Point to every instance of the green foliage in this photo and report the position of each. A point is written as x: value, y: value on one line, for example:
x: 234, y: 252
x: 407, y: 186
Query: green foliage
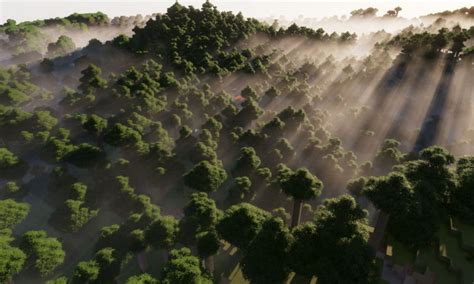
x: 183, y: 268
x: 121, y: 135
x: 196, y: 40
x: 12, y: 259
x: 62, y: 46
x: 46, y: 252
x: 266, y: 260
x: 241, y: 223
x: 335, y: 246
x: 142, y: 279
x: 95, y: 124
x: 59, y: 280
x: 301, y: 184
x: 205, y: 176
x: 247, y: 162
x: 12, y: 213
x: 207, y: 243
x: 413, y: 219
x: 7, y: 159
x: 91, y: 79
x: 86, y: 272
x: 162, y: 232
x: 200, y: 214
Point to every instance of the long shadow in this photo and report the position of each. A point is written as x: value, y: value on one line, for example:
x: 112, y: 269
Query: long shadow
x: 402, y: 119
x: 381, y: 94
x: 463, y: 107
x: 434, y: 115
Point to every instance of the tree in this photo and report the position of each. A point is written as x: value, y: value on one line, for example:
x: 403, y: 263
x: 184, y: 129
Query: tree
x: 388, y: 156
x: 7, y: 159
x: 91, y: 79
x: 95, y: 125
x: 200, y: 215
x: 397, y: 10
x: 12, y: 213
x: 121, y: 135
x: 463, y: 196
x: 162, y: 232
x: 247, y: 162
x: 142, y: 279
x: 205, y: 176
x: 335, y: 246
x: 241, y: 223
x: 86, y: 272
x: 208, y: 244
x: 249, y: 93
x: 62, y: 46
x: 413, y: 219
x: 266, y: 260
x: 183, y: 268
x: 109, y: 264
x: 302, y: 186
x: 12, y: 259
x: 46, y: 252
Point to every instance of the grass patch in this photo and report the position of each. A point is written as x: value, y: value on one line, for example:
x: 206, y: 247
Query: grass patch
x: 401, y: 255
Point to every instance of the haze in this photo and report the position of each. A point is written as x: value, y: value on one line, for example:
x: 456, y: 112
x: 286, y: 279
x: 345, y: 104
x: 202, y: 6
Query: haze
x: 25, y: 10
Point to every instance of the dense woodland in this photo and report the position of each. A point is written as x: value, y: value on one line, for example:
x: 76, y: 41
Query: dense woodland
x: 175, y: 147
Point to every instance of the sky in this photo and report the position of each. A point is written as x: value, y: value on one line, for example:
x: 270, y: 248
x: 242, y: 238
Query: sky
x: 24, y: 10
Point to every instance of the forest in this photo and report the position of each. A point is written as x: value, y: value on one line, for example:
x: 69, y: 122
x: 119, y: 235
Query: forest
x: 202, y: 146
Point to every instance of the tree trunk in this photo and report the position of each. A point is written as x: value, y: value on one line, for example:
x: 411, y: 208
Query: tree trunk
x: 295, y: 220
x: 209, y: 264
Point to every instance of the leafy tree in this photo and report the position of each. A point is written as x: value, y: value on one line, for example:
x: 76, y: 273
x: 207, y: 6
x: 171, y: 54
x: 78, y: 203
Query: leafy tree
x: 200, y: 214
x: 162, y: 232
x: 183, y: 268
x: 121, y: 135
x: 12, y: 213
x: 59, y: 280
x: 205, y: 176
x: 335, y: 246
x: 241, y: 189
x: 95, y: 124
x: 46, y: 252
x: 412, y: 222
x: 247, y: 162
x: 12, y: 259
x: 302, y: 186
x: 7, y: 159
x: 266, y: 260
x: 86, y: 272
x: 208, y: 244
x: 91, y: 79
x: 388, y: 156
x: 241, y: 223
x: 109, y: 263
x: 249, y: 93
x: 142, y: 279
x: 62, y: 46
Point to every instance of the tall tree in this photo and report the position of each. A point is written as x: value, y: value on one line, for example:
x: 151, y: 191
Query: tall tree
x: 241, y: 223
x: 302, y: 186
x: 334, y: 247
x: 200, y: 215
x: 266, y: 260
